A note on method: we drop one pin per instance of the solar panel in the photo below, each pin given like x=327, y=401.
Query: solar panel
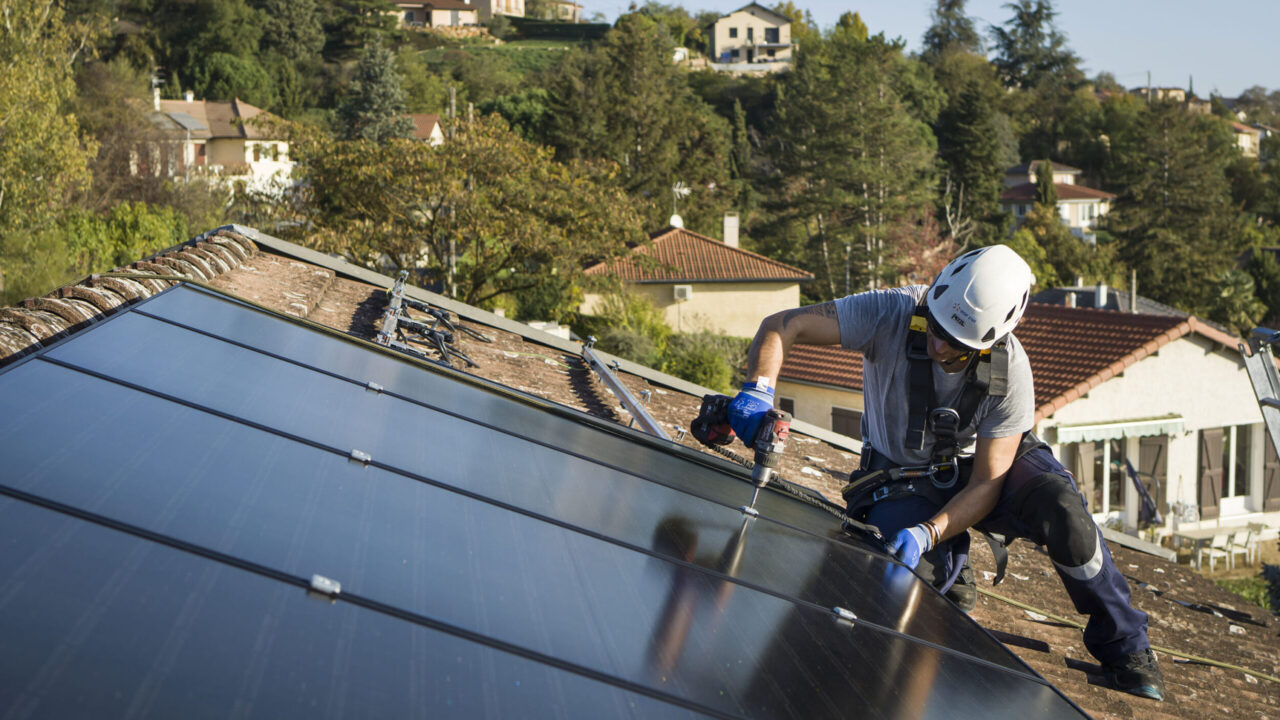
x=256, y=446
x=187, y=122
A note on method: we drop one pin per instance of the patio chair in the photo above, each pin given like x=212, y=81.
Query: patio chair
x=1217, y=548
x=1239, y=543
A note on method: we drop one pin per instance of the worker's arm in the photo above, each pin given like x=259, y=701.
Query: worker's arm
x=992, y=459
x=812, y=324
x=809, y=325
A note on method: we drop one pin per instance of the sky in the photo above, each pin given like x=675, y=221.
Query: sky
x=1223, y=47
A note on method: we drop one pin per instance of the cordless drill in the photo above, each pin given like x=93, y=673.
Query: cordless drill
x=711, y=428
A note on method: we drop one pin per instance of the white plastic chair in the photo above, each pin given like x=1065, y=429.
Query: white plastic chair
x=1217, y=548
x=1239, y=544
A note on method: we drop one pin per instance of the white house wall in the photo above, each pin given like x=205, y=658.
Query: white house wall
x=1207, y=387
x=813, y=403
x=735, y=309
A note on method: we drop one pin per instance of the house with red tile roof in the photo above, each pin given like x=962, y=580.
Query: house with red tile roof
x=437, y=13
x=1079, y=207
x=426, y=127
x=701, y=283
x=1166, y=393
x=220, y=139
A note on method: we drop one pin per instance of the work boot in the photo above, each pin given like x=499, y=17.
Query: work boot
x=964, y=591
x=1137, y=673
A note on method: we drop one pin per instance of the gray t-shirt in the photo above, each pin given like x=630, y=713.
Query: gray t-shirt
x=876, y=323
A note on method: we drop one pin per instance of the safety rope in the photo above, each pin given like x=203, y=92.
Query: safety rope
x=1176, y=653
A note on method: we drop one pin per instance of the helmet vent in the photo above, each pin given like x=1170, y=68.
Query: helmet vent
x=991, y=335
x=956, y=271
x=938, y=290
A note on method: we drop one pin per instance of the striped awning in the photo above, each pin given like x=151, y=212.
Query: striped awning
x=1140, y=427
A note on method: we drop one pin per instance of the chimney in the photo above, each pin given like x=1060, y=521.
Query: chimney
x=1100, y=297
x=155, y=99
x=1071, y=299
x=731, y=229
x=1133, y=291
x=189, y=96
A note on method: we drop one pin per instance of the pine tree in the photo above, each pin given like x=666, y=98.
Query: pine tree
x=850, y=157
x=1046, y=193
x=969, y=130
x=952, y=31
x=1174, y=220
x=374, y=108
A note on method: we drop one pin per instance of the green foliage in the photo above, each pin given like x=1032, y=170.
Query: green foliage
x=1265, y=270
x=425, y=91
x=850, y=157
x=550, y=29
x=500, y=27
x=350, y=26
x=706, y=358
x=625, y=101
x=1234, y=304
x=952, y=31
x=129, y=231
x=291, y=29
x=525, y=110
x=374, y=108
x=223, y=76
x=1046, y=193
x=43, y=161
x=1174, y=220
x=1253, y=589
x=969, y=131
x=485, y=214
x=1024, y=243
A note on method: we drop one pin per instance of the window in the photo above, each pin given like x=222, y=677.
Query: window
x=787, y=405
x=847, y=422
x=771, y=35
x=1022, y=210
x=751, y=34
x=771, y=52
x=1235, y=461
x=257, y=153
x=733, y=32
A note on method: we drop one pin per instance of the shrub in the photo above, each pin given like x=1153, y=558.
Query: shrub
x=706, y=358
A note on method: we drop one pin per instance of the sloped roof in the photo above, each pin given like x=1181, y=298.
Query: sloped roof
x=357, y=636
x=1071, y=350
x=681, y=255
x=222, y=119
x=424, y=124
x=761, y=8
x=1026, y=192
x=1029, y=167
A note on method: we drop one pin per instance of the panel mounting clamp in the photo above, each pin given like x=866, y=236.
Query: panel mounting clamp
x=373, y=387
x=325, y=586
x=844, y=614
x=361, y=457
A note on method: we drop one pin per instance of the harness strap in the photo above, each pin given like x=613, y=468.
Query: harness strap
x=920, y=376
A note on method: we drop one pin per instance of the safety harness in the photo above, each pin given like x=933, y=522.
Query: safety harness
x=987, y=375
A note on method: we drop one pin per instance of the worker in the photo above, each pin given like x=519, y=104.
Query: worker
x=948, y=393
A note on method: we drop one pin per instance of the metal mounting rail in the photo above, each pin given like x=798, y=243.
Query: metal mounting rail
x=1261, y=366
x=633, y=406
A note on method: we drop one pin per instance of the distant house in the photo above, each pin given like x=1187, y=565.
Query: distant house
x=426, y=127
x=218, y=139
x=1248, y=138
x=437, y=13
x=751, y=34
x=701, y=283
x=1079, y=207
x=563, y=11
x=1174, y=94
x=489, y=8
x=1110, y=387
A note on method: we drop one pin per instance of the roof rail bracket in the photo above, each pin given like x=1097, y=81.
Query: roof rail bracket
x=328, y=587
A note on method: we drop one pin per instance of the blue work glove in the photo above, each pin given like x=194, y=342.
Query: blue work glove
x=747, y=410
x=909, y=544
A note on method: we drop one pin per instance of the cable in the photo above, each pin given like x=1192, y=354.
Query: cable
x=1169, y=651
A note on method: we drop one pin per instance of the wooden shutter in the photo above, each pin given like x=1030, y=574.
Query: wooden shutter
x=1210, y=472
x=1084, y=472
x=1153, y=455
x=1270, y=476
x=847, y=422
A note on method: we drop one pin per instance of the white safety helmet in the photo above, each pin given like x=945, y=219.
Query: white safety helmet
x=980, y=296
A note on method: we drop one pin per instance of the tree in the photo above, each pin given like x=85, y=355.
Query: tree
x=226, y=77
x=352, y=25
x=1174, y=219
x=484, y=215
x=624, y=101
x=43, y=159
x=804, y=31
x=292, y=30
x=1032, y=55
x=952, y=31
x=969, y=131
x=850, y=158
x=374, y=108
x=1046, y=192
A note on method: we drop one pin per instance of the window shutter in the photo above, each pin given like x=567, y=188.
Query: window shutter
x=1153, y=454
x=847, y=422
x=1084, y=471
x=1210, y=472
x=1270, y=478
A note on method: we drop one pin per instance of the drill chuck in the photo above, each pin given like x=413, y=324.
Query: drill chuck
x=771, y=440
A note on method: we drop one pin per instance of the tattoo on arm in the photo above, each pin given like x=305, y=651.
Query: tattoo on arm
x=826, y=309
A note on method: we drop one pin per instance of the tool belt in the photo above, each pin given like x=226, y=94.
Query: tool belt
x=877, y=480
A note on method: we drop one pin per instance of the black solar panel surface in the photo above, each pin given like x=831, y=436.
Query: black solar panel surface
x=579, y=565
